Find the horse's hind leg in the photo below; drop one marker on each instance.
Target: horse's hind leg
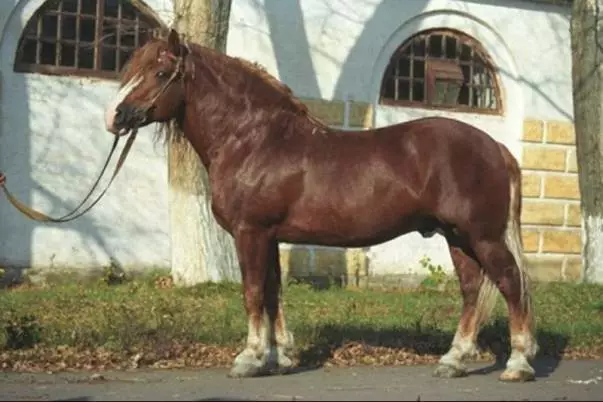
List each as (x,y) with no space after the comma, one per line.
(502,268)
(478,296)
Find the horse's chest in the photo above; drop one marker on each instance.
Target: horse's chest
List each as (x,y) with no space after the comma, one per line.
(228,195)
(222,197)
(249,196)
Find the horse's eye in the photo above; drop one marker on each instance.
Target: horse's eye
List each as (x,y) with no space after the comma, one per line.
(161,74)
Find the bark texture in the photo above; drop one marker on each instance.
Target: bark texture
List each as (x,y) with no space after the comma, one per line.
(587,74)
(201,250)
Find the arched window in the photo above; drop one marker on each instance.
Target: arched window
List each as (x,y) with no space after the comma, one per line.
(442,69)
(92,38)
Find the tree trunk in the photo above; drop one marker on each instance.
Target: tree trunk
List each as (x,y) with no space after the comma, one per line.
(201,250)
(587,74)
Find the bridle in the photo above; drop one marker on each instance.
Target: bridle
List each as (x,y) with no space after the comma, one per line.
(175,75)
(74,214)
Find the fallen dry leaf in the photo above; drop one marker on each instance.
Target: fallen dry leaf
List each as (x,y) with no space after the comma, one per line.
(197,355)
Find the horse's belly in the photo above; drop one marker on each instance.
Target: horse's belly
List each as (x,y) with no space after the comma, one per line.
(346,227)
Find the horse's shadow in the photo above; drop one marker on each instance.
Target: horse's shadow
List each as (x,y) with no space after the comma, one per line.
(11,277)
(494,338)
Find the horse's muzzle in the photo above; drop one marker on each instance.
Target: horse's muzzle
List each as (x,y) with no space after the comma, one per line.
(127,117)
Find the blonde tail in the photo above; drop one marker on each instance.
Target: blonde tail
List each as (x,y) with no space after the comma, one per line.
(486,300)
(488,290)
(513,232)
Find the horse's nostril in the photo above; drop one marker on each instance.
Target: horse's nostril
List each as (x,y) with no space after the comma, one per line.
(127,116)
(121,114)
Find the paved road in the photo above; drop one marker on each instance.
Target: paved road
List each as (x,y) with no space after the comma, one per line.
(570,380)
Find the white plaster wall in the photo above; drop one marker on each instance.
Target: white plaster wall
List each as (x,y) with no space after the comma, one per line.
(346,40)
(52,141)
(52,147)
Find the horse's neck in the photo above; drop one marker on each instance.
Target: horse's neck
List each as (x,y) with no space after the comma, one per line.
(199,143)
(213,123)
(218,137)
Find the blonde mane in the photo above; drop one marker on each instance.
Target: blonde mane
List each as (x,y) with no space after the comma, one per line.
(260,71)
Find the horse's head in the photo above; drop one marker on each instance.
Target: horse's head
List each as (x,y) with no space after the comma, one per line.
(152,86)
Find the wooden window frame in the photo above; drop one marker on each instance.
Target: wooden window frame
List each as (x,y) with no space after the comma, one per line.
(143,24)
(440,68)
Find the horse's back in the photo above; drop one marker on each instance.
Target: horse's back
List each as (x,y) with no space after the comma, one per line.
(379,182)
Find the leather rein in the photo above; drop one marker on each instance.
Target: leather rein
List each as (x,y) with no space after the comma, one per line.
(74,214)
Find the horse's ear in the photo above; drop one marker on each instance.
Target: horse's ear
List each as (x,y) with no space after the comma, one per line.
(174,43)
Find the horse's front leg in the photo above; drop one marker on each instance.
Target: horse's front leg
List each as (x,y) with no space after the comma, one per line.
(267,338)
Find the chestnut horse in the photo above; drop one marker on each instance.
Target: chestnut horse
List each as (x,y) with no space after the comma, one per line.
(279,175)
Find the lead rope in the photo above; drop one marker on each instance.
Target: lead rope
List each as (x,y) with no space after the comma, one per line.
(74,214)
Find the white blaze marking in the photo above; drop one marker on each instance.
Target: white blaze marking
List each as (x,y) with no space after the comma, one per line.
(121,95)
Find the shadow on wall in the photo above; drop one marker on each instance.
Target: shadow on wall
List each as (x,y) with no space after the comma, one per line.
(293,49)
(526,5)
(52,147)
(364,28)
(287,27)
(19,161)
(67,151)
(542,87)
(24,171)
(15,157)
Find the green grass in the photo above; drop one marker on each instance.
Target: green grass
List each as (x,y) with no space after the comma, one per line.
(138,315)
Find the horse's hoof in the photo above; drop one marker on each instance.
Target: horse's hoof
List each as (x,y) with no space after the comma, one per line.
(284,363)
(245,371)
(517,375)
(247,364)
(448,371)
(277,363)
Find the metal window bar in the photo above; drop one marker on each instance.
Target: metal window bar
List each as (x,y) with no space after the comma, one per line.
(59,35)
(470,85)
(411,61)
(38,41)
(78,20)
(397,79)
(118,37)
(98,35)
(481,87)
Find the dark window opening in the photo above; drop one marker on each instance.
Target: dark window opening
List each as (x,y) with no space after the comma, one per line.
(83,37)
(442,69)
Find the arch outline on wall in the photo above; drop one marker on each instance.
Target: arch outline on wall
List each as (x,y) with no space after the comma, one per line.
(499,52)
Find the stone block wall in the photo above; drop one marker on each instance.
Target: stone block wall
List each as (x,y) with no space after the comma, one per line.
(551,220)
